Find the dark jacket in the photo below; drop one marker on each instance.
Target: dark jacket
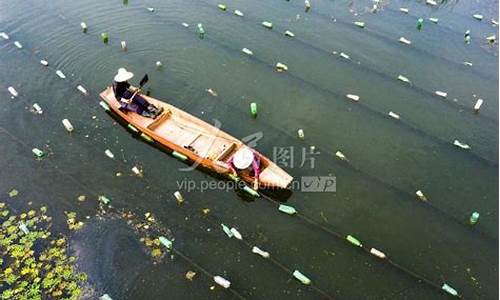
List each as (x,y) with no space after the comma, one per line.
(119,88)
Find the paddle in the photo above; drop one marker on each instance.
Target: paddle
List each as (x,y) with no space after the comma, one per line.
(143,81)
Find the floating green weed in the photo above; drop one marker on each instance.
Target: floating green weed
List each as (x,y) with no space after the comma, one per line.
(44,273)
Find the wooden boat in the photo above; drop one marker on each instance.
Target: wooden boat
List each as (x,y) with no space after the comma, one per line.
(195,140)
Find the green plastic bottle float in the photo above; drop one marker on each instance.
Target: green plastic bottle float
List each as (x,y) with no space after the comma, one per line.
(354,241)
(253,109)
(201,31)
(420,23)
(105,37)
(474,218)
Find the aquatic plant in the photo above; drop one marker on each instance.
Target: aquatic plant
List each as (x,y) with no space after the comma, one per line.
(35,265)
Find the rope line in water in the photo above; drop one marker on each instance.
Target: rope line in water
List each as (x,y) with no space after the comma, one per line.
(337,96)
(84,187)
(378,35)
(301,216)
(74,180)
(327,92)
(216,222)
(429,95)
(364,249)
(366,175)
(310,221)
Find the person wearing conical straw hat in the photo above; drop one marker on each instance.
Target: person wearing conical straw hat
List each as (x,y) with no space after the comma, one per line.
(129,97)
(246,160)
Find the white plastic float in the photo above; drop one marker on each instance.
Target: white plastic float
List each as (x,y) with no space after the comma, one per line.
(352,97)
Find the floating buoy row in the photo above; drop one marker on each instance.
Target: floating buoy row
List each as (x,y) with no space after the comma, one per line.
(256,250)
(164,241)
(297,271)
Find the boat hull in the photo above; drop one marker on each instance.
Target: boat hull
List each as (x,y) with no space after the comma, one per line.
(192,139)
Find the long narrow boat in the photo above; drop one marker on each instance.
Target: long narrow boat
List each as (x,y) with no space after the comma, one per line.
(195,140)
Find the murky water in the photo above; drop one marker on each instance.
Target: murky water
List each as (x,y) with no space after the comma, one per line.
(388,159)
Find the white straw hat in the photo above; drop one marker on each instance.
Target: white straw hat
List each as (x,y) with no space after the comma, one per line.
(123,75)
(243,158)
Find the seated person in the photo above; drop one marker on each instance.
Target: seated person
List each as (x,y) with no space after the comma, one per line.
(129,97)
(245,160)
